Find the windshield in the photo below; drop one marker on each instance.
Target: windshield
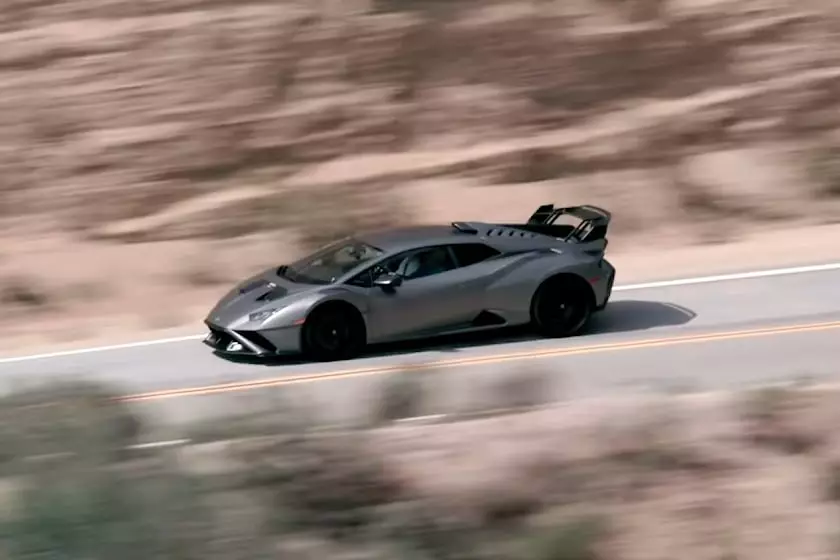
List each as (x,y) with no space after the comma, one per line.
(328,264)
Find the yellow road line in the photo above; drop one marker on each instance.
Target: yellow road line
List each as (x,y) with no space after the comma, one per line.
(479,360)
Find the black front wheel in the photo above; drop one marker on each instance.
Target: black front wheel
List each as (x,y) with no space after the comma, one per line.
(561,308)
(332,334)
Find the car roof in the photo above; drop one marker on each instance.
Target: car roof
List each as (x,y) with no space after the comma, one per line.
(405,238)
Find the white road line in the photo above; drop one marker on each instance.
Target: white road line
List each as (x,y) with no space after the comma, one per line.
(643,286)
(78,351)
(159,444)
(713,395)
(730,277)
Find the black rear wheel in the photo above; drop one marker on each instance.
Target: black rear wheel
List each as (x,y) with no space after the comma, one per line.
(561,308)
(332,333)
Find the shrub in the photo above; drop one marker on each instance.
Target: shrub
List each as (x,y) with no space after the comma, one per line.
(78,494)
(403,395)
(577,539)
(521,389)
(76,418)
(23,292)
(333,483)
(76,511)
(771,415)
(825,170)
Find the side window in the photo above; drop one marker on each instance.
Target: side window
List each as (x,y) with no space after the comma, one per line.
(410,264)
(364,279)
(426,262)
(473,253)
(388,266)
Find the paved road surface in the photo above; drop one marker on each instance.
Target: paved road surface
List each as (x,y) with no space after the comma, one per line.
(710,335)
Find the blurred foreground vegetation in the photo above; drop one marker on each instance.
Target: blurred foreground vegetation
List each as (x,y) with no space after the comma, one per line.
(580,482)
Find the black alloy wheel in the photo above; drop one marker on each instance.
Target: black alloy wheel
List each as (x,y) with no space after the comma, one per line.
(561,308)
(332,334)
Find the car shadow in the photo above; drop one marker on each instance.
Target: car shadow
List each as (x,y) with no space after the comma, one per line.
(619,317)
(638,315)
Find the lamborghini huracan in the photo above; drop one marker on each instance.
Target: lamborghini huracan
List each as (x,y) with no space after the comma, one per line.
(420,282)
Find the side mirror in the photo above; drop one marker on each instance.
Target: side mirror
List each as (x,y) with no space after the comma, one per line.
(388,281)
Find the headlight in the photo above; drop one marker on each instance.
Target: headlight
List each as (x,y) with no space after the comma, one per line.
(260,316)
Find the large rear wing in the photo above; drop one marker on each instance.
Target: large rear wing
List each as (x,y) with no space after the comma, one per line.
(593,225)
(548,214)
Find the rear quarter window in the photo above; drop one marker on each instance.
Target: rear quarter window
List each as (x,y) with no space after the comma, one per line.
(473,253)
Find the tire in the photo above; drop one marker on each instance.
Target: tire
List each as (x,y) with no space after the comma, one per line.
(331,333)
(561,307)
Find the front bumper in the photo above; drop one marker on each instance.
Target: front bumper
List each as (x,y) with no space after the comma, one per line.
(253,343)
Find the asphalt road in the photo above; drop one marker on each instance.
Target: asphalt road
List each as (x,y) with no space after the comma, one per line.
(715,334)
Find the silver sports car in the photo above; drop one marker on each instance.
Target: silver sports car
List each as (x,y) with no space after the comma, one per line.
(423,281)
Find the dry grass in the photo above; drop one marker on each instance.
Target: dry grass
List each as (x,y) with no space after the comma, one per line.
(568,540)
(521,389)
(825,168)
(330,483)
(415,395)
(777,417)
(319,218)
(23,292)
(203,272)
(79,493)
(832,478)
(403,395)
(60,418)
(182,100)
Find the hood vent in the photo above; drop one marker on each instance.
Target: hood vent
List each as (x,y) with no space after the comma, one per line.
(252,286)
(276,292)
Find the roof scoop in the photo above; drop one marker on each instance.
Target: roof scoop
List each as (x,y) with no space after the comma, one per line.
(464,227)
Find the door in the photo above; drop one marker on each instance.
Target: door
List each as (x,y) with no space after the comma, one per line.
(428,296)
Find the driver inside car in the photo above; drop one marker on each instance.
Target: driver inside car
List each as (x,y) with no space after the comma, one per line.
(427,263)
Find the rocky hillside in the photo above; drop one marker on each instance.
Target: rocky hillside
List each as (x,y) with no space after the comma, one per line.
(182,118)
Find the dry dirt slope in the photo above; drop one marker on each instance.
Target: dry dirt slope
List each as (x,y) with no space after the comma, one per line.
(115,110)
(185,120)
